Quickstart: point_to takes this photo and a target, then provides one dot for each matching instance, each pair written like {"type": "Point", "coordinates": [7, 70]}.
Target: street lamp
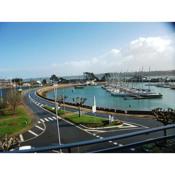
{"type": "Point", "coordinates": [56, 110]}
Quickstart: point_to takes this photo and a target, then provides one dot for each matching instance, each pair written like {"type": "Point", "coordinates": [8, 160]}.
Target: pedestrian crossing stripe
{"type": "Point", "coordinates": [42, 120]}
{"type": "Point", "coordinates": [50, 118]}
{"type": "Point", "coordinates": [46, 119]}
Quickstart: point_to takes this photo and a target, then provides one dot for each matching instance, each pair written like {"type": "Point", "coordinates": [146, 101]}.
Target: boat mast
{"type": "Point", "coordinates": [149, 79]}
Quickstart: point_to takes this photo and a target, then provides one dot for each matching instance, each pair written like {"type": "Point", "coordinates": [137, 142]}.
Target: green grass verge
{"type": "Point", "coordinates": [13, 123]}
{"type": "Point", "coordinates": [60, 112]}
{"type": "Point", "coordinates": [87, 120]}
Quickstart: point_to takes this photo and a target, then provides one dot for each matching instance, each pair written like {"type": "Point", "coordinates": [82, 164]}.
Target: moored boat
{"type": "Point", "coordinates": [79, 87]}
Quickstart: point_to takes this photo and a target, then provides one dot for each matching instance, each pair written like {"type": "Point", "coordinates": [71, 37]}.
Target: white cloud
{"type": "Point", "coordinates": [155, 52]}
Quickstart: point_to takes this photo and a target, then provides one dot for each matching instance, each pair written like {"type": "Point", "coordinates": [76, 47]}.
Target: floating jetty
{"type": "Point", "coordinates": [131, 92]}
{"type": "Point", "coordinates": [79, 86]}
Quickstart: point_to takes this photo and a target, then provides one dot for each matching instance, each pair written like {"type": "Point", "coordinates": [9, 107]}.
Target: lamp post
{"type": "Point", "coordinates": [56, 110]}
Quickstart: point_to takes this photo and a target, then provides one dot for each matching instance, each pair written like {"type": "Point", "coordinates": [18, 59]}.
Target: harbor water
{"type": "Point", "coordinates": [105, 99]}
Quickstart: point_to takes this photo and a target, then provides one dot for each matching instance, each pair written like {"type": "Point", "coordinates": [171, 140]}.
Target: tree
{"type": "Point", "coordinates": [54, 78]}
{"type": "Point", "coordinates": [164, 116]}
{"type": "Point", "coordinates": [13, 99]}
{"type": "Point", "coordinates": [79, 101]}
{"type": "Point", "coordinates": [44, 82]}
{"type": "Point", "coordinates": [61, 99]}
{"type": "Point", "coordinates": [3, 105]}
{"type": "Point", "coordinates": [17, 81]}
{"type": "Point", "coordinates": [8, 143]}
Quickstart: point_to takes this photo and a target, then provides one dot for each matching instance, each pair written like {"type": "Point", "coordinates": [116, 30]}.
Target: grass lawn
{"type": "Point", "coordinates": [87, 120]}
{"type": "Point", "coordinates": [14, 123]}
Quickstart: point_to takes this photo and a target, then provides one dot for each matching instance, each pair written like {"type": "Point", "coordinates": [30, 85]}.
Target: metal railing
{"type": "Point", "coordinates": [70, 146]}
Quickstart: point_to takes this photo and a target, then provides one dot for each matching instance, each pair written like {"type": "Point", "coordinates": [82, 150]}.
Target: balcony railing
{"type": "Point", "coordinates": [70, 146]}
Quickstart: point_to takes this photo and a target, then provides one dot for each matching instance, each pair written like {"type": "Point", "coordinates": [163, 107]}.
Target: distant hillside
{"type": "Point", "coordinates": [130, 74]}
{"type": "Point", "coordinates": [145, 73]}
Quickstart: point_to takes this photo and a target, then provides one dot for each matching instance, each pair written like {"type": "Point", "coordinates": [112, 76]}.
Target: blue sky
{"type": "Point", "coordinates": [41, 49]}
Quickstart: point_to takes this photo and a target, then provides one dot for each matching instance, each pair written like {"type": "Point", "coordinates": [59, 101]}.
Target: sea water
{"type": "Point", "coordinates": [105, 99]}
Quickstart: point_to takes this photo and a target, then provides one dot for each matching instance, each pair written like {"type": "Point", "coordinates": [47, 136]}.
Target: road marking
{"type": "Point", "coordinates": [54, 118]}
{"type": "Point", "coordinates": [39, 127]}
{"type": "Point", "coordinates": [46, 119]}
{"type": "Point", "coordinates": [97, 136]}
{"type": "Point", "coordinates": [120, 145]}
{"type": "Point", "coordinates": [94, 134]}
{"type": "Point", "coordinates": [55, 151]}
{"type": "Point", "coordinates": [132, 149]}
{"type": "Point", "coordinates": [21, 138]}
{"type": "Point", "coordinates": [42, 120]}
{"type": "Point", "coordinates": [110, 141]}
{"type": "Point", "coordinates": [50, 118]}
{"type": "Point", "coordinates": [31, 132]}
{"type": "Point", "coordinates": [39, 122]}
{"type": "Point", "coordinates": [115, 143]}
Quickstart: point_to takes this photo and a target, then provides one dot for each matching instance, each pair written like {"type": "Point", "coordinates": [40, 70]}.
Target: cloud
{"type": "Point", "coordinates": [155, 52]}
{"type": "Point", "coordinates": [158, 53]}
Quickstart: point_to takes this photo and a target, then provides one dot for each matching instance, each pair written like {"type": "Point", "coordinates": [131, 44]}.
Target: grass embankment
{"type": "Point", "coordinates": [13, 123]}
{"type": "Point", "coordinates": [86, 120]}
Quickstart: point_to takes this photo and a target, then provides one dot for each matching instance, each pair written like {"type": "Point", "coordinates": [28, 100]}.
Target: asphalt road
{"type": "Point", "coordinates": [47, 123]}
{"type": "Point", "coordinates": [69, 133]}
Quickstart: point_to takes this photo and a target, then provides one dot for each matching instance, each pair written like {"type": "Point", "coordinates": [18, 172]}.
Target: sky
{"type": "Point", "coordinates": [30, 50]}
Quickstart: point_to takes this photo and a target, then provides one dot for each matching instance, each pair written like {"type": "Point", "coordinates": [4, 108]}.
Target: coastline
{"type": "Point", "coordinates": [44, 90]}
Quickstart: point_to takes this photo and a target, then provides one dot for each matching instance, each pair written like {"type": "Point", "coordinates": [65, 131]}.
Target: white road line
{"type": "Point", "coordinates": [50, 118]}
{"type": "Point", "coordinates": [110, 141]}
{"type": "Point", "coordinates": [21, 138]}
{"type": "Point", "coordinates": [132, 149]}
{"type": "Point", "coordinates": [42, 120]}
{"type": "Point", "coordinates": [39, 127]}
{"type": "Point", "coordinates": [46, 119]}
{"type": "Point", "coordinates": [97, 136]}
{"type": "Point", "coordinates": [115, 143]}
{"type": "Point", "coordinates": [54, 118]}
{"type": "Point", "coordinates": [55, 151]}
{"type": "Point", "coordinates": [39, 122]}
{"type": "Point", "coordinates": [120, 145]}
{"type": "Point", "coordinates": [31, 132]}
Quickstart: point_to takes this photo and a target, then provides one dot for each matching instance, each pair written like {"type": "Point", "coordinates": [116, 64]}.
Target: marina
{"type": "Point", "coordinates": [120, 99]}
